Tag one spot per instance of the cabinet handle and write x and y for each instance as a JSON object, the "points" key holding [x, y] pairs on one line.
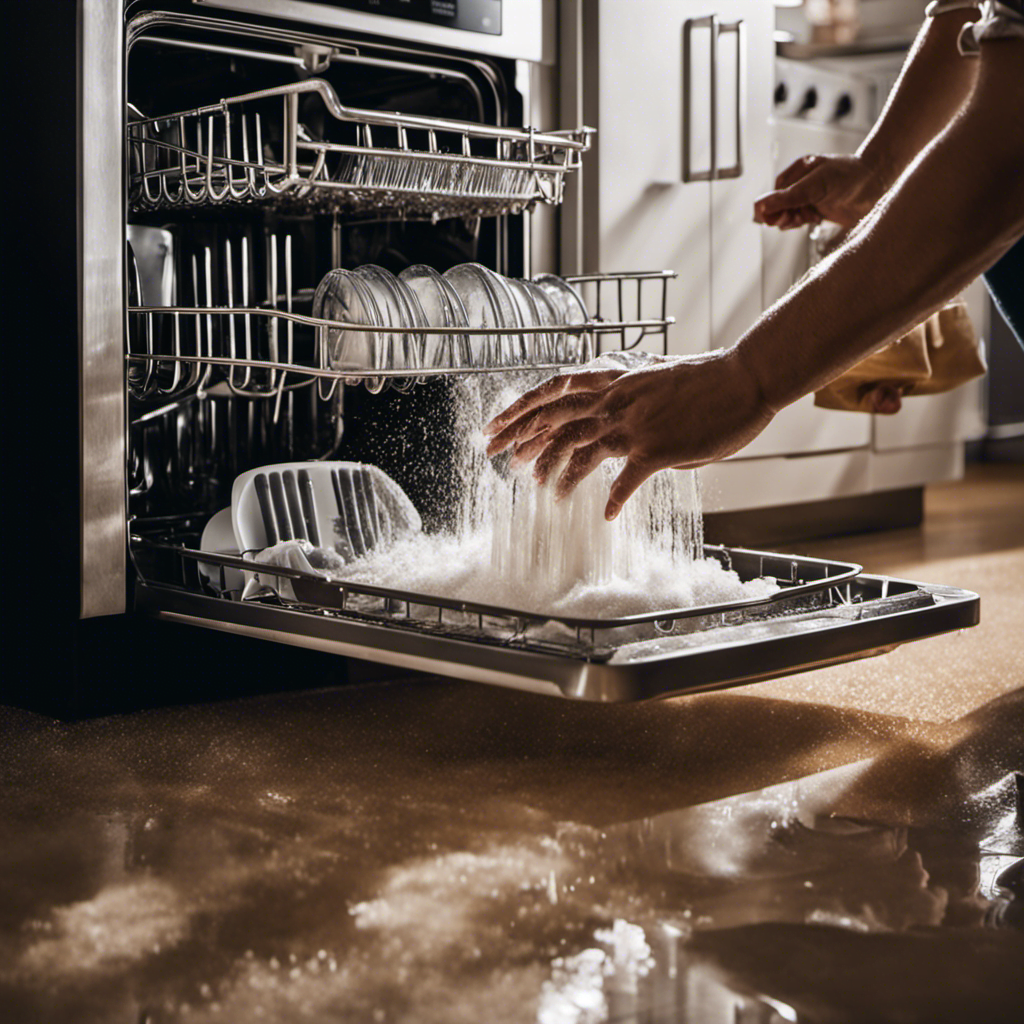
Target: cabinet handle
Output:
{"points": [[710, 21], [737, 168], [714, 172]]}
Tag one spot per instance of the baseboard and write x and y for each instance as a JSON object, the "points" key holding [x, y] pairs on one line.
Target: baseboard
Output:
{"points": [[782, 524]]}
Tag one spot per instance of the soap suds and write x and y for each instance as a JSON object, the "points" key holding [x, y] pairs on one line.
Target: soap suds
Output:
{"points": [[514, 546]]}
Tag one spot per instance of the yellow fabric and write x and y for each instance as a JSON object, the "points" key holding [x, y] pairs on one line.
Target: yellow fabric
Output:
{"points": [[938, 355]]}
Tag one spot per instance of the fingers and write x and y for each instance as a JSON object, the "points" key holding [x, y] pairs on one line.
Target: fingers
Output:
{"points": [[797, 169], [556, 412], [886, 399], [551, 388], [525, 451], [517, 433], [632, 476], [581, 464], [569, 383], [802, 195], [555, 445], [798, 218]]}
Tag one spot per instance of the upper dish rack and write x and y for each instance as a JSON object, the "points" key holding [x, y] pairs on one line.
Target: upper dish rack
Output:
{"points": [[373, 162]]}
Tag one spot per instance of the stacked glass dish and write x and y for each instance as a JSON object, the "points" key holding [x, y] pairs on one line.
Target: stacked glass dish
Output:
{"points": [[422, 323]]}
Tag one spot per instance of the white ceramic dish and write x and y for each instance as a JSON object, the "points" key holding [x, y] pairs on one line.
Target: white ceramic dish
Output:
{"points": [[219, 538]]}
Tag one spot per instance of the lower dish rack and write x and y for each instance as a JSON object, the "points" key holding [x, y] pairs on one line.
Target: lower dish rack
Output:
{"points": [[824, 613]]}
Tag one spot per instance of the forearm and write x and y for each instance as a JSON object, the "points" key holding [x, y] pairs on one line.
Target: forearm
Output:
{"points": [[933, 85], [951, 215]]}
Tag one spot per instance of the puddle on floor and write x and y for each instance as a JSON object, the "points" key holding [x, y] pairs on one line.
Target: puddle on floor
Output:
{"points": [[439, 853]]}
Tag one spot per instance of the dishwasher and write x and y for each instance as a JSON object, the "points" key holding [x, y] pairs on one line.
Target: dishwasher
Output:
{"points": [[266, 143]]}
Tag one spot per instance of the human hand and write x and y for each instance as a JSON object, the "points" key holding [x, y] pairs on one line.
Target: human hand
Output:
{"points": [[885, 398], [841, 189], [682, 413]]}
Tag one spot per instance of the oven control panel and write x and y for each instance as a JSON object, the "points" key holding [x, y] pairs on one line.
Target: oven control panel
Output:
{"points": [[468, 15], [519, 29]]}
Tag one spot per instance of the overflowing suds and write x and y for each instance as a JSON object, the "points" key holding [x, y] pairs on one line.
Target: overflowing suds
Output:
{"points": [[514, 545]]}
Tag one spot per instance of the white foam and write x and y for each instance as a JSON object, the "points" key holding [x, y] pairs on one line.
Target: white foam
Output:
{"points": [[514, 546]]}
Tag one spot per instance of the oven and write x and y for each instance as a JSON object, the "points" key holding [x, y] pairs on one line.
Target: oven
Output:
{"points": [[228, 155]]}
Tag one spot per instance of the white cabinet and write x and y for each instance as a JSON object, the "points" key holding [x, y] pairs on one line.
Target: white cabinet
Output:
{"points": [[642, 214], [679, 91], [744, 82], [682, 95], [802, 426]]}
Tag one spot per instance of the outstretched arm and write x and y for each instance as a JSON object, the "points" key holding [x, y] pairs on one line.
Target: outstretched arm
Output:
{"points": [[933, 85], [957, 208]]}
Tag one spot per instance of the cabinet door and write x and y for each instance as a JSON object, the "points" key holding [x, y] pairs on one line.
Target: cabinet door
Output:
{"points": [[802, 427], [647, 217], [744, 82]]}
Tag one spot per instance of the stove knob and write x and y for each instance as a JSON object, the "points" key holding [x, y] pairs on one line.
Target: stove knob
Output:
{"points": [[781, 94], [809, 102], [843, 106]]}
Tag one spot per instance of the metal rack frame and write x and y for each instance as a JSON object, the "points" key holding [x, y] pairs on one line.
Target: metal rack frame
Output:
{"points": [[839, 618], [174, 350], [214, 155], [802, 581]]}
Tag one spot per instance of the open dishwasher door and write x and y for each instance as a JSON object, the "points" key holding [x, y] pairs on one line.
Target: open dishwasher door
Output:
{"points": [[824, 613]]}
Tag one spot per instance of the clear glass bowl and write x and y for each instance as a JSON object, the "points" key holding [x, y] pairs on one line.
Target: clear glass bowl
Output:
{"points": [[343, 295], [441, 307], [576, 348], [399, 307], [534, 310], [488, 303]]}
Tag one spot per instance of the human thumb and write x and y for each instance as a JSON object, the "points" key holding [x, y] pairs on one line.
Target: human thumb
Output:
{"points": [[804, 192]]}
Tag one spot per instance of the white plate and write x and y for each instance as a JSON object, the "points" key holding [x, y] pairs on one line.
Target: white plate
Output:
{"points": [[219, 538]]}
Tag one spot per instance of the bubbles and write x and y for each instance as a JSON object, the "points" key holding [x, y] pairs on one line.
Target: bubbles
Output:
{"points": [[515, 546]]}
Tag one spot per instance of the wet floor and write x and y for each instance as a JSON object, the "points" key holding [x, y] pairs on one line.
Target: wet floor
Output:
{"points": [[432, 851]]}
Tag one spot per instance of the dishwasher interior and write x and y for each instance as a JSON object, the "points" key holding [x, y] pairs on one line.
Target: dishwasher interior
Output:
{"points": [[261, 158]]}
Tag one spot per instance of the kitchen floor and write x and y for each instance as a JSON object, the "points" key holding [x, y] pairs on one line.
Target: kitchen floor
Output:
{"points": [[822, 848]]}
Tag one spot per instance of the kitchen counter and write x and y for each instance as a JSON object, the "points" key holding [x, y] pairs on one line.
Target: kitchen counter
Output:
{"points": [[818, 848]]}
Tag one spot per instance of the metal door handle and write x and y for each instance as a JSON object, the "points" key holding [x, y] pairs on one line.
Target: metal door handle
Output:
{"points": [[737, 168], [709, 21], [714, 172]]}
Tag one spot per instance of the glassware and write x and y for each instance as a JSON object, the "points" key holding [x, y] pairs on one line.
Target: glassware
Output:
{"points": [[488, 303], [575, 348], [441, 307], [526, 297], [342, 295], [547, 343], [398, 307]]}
